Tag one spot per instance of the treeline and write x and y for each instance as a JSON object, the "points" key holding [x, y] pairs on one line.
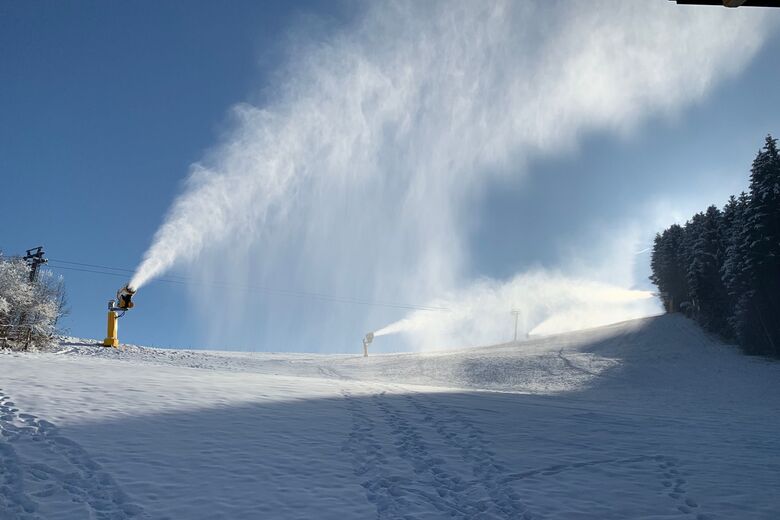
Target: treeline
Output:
{"points": [[722, 268]]}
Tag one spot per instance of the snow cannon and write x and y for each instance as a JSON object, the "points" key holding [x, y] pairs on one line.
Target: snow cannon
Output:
{"points": [[124, 297], [366, 342], [117, 309]]}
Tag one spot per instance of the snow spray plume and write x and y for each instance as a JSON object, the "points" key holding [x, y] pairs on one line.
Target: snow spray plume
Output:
{"points": [[358, 175], [546, 303]]}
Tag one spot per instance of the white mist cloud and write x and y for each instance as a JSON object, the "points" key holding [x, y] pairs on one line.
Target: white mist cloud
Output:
{"points": [[359, 178], [546, 302]]}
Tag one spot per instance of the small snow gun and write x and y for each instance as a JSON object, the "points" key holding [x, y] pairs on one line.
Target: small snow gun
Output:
{"points": [[366, 342], [117, 309]]}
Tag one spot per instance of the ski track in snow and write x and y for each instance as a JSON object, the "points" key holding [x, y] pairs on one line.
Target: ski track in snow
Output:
{"points": [[39, 464], [489, 493], [429, 484]]}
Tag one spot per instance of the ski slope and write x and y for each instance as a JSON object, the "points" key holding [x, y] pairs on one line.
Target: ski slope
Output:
{"points": [[643, 419]]}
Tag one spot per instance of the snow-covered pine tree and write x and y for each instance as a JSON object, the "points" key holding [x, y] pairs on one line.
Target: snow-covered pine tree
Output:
{"points": [[759, 307], [705, 256], [667, 264], [733, 228], [659, 266], [692, 232]]}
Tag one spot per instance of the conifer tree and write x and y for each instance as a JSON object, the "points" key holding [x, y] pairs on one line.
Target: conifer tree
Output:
{"points": [[691, 233], [758, 309], [733, 226], [667, 267], [708, 294]]}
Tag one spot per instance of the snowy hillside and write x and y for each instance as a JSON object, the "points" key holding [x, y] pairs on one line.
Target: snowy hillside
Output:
{"points": [[643, 419]]}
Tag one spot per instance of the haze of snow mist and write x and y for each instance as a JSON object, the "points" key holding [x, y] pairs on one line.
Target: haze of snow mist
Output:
{"points": [[359, 174], [546, 302]]}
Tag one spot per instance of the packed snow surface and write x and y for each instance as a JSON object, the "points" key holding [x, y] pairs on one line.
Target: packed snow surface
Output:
{"points": [[644, 419]]}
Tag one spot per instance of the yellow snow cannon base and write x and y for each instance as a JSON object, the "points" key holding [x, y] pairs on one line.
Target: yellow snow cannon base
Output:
{"points": [[113, 327]]}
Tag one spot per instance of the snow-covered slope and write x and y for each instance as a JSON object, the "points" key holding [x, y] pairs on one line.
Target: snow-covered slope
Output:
{"points": [[643, 419]]}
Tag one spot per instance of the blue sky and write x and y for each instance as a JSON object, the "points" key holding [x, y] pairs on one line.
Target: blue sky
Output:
{"points": [[103, 108]]}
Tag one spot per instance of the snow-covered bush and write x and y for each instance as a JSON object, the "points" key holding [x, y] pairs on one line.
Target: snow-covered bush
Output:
{"points": [[29, 311]]}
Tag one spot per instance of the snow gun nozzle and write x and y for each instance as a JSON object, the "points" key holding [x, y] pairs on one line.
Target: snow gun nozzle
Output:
{"points": [[124, 297]]}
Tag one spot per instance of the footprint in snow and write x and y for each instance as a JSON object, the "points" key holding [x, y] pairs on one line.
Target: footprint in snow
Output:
{"points": [[27, 482]]}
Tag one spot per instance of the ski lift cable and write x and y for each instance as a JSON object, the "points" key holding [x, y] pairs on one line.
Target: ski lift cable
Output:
{"points": [[183, 280]]}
